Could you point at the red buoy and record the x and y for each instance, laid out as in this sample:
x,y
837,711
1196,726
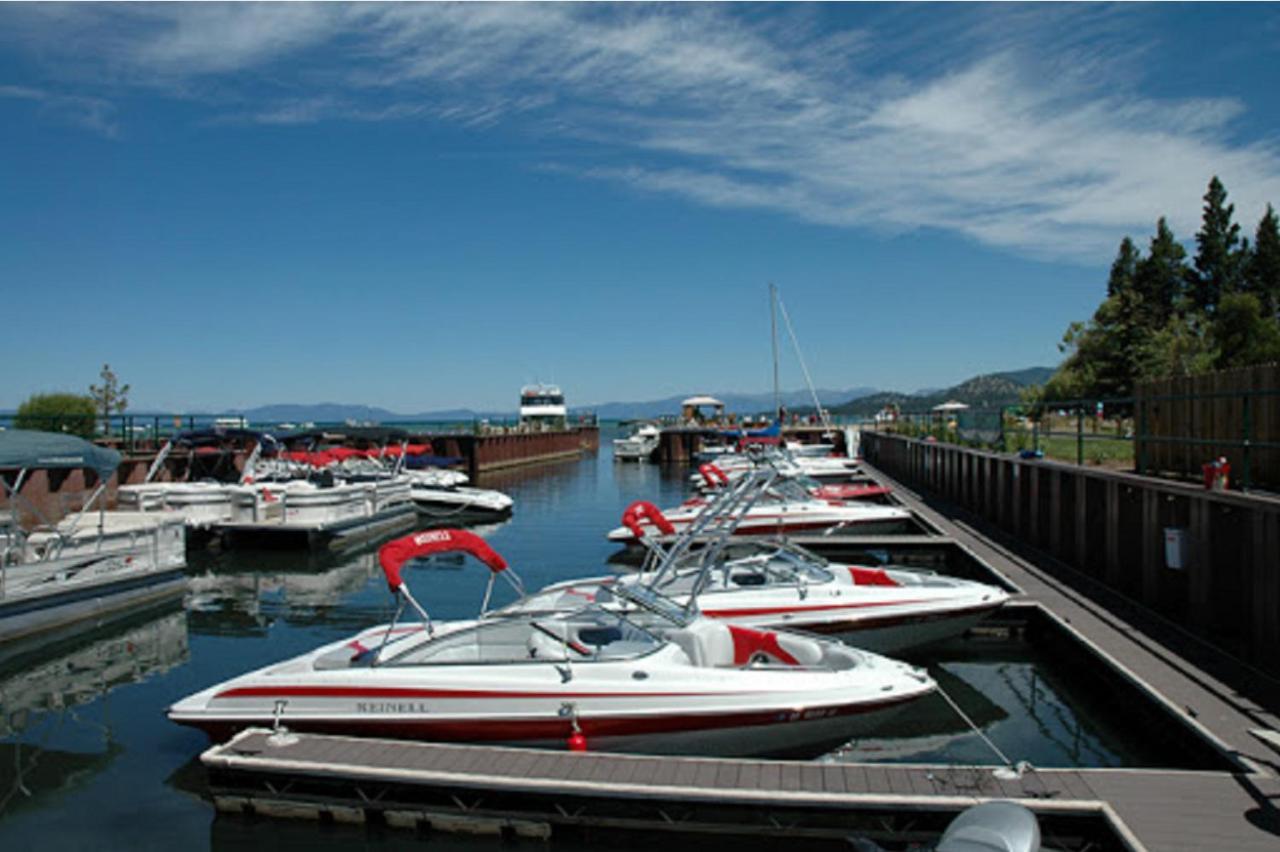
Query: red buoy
x,y
577,742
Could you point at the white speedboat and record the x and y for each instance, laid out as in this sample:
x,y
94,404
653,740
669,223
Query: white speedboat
x,y
460,503
714,478
782,507
770,584
822,468
650,680
84,566
799,449
639,445
436,477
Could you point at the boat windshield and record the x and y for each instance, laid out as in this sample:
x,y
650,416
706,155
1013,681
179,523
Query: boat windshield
x,y
657,606
789,490
589,634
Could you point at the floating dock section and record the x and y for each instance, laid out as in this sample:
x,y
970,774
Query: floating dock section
x,y
543,794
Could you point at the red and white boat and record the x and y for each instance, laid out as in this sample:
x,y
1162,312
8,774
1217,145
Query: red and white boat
x,y
650,679
714,477
781,507
768,584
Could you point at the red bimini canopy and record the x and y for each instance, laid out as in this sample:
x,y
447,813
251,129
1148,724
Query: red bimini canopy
x,y
393,554
642,510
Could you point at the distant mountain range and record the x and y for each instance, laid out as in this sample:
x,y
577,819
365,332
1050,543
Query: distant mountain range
x,y
333,412
991,389
741,403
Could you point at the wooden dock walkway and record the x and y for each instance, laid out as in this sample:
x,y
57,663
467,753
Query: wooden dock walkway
x,y
1225,698
530,792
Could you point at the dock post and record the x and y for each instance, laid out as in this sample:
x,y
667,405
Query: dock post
x,y
1200,569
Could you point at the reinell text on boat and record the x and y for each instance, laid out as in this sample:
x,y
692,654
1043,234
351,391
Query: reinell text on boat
x,y
780,506
653,678
88,564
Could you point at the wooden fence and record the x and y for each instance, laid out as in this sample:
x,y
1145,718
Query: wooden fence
x,y
1181,423
1112,526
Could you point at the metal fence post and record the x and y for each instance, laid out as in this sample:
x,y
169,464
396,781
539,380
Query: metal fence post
x,y
1248,436
1141,436
1080,435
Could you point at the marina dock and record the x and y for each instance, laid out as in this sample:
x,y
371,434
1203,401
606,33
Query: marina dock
x,y
1219,714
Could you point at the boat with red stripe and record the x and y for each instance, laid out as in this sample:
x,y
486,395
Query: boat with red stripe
x,y
648,677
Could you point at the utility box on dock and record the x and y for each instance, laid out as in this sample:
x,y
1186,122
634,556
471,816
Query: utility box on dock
x,y
1175,548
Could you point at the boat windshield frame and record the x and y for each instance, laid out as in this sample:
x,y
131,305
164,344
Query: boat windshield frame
x,y
648,599
536,621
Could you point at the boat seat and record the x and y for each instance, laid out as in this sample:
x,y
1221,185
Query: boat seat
x,y
547,641
713,643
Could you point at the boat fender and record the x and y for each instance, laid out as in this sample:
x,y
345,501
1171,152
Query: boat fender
x,y
577,740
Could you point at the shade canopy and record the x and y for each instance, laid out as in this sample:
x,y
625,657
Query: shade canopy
x,y
699,401
371,434
21,448
219,435
951,405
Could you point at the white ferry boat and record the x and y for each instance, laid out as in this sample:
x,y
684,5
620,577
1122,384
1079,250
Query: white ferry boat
x,y
542,407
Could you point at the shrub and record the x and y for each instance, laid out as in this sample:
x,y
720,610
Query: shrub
x,y
58,412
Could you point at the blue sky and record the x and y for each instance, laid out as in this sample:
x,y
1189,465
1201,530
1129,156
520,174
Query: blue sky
x,y
426,206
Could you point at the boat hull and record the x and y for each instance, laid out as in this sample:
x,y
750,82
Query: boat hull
x,y
25,618
777,732
893,633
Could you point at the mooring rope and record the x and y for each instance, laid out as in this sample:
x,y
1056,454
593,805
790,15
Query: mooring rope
x,y
956,707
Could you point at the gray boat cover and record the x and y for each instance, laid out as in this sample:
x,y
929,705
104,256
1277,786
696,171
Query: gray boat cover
x,y
21,448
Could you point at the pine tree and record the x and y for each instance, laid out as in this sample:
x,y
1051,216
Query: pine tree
x,y
110,397
1242,335
1262,273
1159,278
1124,268
1218,260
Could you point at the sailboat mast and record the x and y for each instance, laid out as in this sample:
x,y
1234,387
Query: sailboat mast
x,y
773,328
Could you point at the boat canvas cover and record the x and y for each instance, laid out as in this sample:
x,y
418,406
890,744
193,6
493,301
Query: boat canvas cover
x,y
21,448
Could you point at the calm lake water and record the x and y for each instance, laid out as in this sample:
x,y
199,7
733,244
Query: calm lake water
x,y
88,761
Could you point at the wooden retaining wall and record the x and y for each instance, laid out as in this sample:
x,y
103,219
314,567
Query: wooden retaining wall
x,y
1229,406
1111,526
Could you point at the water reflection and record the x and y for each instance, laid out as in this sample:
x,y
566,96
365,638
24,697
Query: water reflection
x,y
1021,699
56,721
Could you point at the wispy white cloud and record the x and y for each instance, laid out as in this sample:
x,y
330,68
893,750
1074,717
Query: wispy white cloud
x,y
91,113
1020,127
